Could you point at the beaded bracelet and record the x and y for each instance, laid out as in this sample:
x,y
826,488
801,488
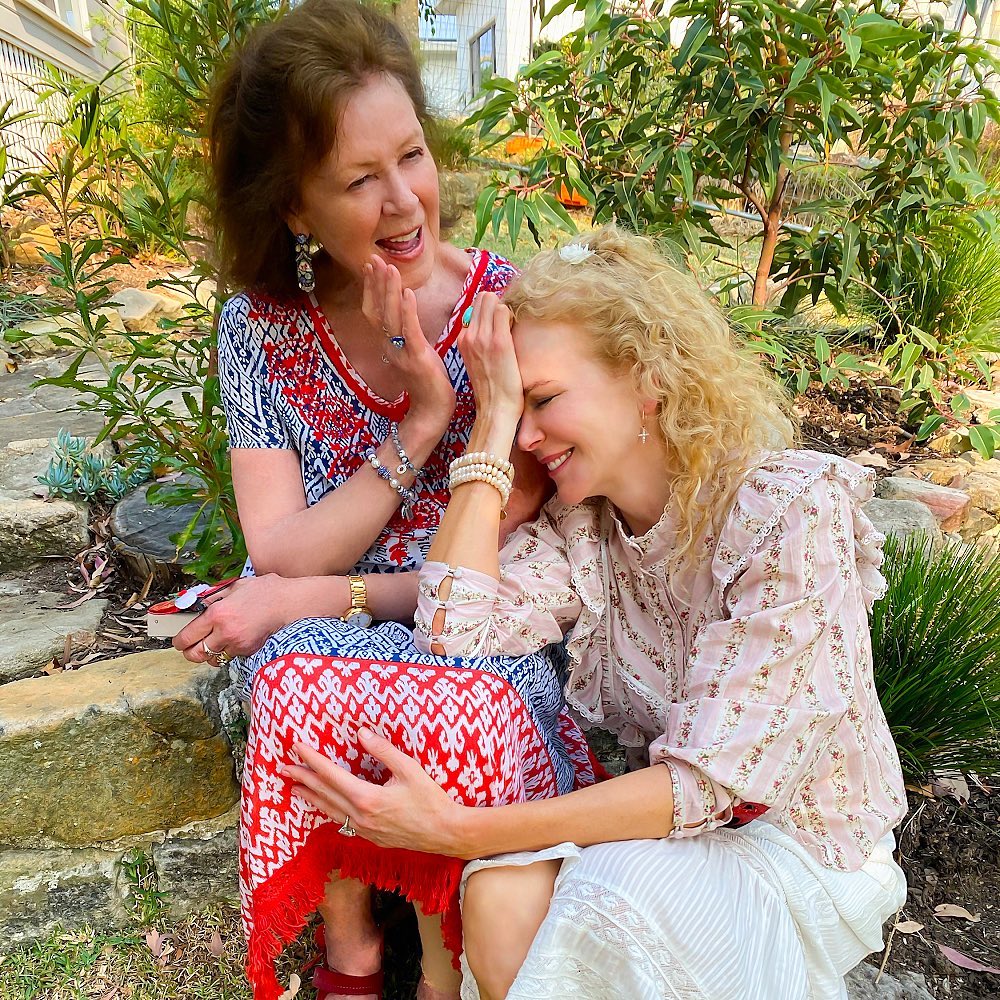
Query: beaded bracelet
x,y
405,465
484,458
408,496
482,472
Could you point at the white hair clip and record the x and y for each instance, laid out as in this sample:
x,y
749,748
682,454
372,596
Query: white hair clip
x,y
574,253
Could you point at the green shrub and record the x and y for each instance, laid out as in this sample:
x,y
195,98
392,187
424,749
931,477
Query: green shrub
x,y
947,285
936,646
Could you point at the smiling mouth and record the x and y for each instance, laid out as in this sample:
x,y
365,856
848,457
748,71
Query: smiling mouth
x,y
405,243
559,461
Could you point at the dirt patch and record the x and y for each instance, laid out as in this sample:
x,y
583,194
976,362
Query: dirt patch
x,y
951,854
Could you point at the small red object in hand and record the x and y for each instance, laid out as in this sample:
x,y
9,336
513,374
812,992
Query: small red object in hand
x,y
165,619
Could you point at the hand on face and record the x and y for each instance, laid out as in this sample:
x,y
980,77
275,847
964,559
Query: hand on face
x,y
237,622
410,810
488,350
392,310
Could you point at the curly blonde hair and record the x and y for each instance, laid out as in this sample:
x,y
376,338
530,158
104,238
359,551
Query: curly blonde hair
x,y
717,406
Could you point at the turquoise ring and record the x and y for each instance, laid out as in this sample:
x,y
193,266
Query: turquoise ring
x,y
467,316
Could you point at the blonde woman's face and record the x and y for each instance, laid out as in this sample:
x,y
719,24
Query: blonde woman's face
x,y
581,419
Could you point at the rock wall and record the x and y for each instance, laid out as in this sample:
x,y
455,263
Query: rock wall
x,y
124,756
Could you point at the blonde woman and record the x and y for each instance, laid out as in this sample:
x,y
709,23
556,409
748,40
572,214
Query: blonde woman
x,y
714,593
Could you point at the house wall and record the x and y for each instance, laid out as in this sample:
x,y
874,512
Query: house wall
x,y
31,36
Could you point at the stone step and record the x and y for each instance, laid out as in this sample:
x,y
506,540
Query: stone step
x,y
115,749
192,867
33,629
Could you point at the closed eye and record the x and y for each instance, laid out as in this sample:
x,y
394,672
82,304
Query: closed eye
x,y
358,183
544,401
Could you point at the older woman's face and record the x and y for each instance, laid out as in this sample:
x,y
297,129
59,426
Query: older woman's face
x,y
377,192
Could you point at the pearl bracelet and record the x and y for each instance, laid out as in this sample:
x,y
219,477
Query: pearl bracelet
x,y
482,473
484,458
408,496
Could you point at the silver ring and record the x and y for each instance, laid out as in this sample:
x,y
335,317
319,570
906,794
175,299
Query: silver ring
x,y
208,651
347,830
398,342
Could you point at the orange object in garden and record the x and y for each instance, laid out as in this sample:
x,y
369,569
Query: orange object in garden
x,y
570,198
518,144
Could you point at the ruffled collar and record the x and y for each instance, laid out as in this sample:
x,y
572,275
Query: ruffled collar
x,y
646,550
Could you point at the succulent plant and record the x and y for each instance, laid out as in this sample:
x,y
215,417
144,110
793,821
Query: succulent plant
x,y
75,471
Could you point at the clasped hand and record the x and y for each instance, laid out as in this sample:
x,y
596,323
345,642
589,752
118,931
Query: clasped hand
x,y
410,810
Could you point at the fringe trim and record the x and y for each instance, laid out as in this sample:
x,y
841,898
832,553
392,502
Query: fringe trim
x,y
282,905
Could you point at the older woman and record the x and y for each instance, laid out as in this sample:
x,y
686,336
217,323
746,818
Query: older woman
x,y
346,401
714,595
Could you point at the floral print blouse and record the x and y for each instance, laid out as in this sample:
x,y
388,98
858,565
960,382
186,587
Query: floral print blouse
x,y
750,677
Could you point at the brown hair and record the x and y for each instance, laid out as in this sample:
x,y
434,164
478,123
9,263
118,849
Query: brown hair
x,y
273,119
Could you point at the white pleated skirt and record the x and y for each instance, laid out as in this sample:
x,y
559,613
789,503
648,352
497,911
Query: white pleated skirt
x,y
743,914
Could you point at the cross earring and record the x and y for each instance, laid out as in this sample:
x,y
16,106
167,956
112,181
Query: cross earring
x,y
643,435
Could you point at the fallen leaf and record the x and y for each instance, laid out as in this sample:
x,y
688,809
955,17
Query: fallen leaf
x,y
962,961
925,790
216,946
909,927
75,604
112,994
950,784
870,459
294,985
954,910
156,942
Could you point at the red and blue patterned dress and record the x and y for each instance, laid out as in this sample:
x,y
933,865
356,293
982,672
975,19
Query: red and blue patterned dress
x,y
490,730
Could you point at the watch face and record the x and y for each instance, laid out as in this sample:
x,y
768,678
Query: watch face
x,y
362,619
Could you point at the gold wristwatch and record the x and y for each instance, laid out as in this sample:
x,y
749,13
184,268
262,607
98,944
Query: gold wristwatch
x,y
358,613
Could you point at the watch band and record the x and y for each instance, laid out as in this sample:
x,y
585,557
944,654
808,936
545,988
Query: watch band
x,y
359,593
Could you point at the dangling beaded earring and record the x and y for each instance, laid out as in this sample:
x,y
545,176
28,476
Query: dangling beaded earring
x,y
304,273
643,435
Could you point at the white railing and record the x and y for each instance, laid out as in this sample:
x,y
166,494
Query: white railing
x,y
26,141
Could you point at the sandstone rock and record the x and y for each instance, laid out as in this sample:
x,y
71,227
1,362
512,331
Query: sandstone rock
x,y
943,471
33,630
983,403
948,505
902,518
43,890
983,488
141,308
977,524
112,750
198,865
865,983
45,423
951,442
30,247
33,529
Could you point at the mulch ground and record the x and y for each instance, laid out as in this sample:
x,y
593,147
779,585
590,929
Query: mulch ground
x,y
951,855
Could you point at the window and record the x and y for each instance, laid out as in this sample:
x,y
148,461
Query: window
x,y
483,57
437,27
67,12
